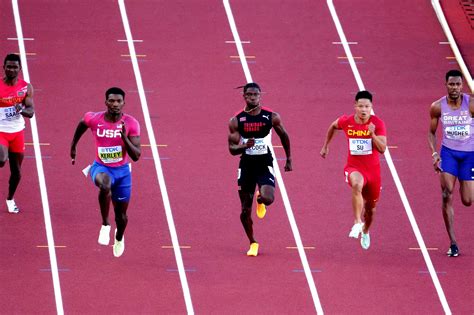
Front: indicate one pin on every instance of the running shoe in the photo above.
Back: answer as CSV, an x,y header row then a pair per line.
x,y
253,251
356,230
104,235
261,209
453,251
12,207
119,246
365,240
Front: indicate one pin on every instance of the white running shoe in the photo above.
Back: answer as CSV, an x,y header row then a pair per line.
x,y
365,241
104,235
119,246
356,230
12,207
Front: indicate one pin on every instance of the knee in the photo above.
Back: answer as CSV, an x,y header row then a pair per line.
x,y
122,218
466,201
267,199
356,189
104,188
447,194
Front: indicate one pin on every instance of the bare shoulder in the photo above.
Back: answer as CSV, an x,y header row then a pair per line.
x,y
435,108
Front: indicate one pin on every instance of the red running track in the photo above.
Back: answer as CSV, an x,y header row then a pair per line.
x,y
189,76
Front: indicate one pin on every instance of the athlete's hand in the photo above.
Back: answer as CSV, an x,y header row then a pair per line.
x,y
250,143
123,132
288,165
371,128
19,108
324,152
73,155
436,163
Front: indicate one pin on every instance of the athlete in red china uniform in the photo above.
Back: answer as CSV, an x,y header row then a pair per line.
x,y
16,102
117,136
366,139
249,137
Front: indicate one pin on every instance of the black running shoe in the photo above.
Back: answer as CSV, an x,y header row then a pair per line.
x,y
453,251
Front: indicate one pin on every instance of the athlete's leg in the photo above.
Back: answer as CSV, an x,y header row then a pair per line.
x,y
15,161
3,155
356,181
104,183
121,218
467,192
447,185
245,216
369,213
267,195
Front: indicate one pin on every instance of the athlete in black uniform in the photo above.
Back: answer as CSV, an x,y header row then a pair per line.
x,y
248,131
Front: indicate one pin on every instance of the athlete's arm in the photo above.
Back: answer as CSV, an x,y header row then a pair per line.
x,y
471,105
132,144
435,114
284,138
380,142
27,109
333,127
80,129
235,147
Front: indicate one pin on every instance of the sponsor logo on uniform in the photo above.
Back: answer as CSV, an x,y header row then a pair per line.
x,y
108,133
243,119
266,116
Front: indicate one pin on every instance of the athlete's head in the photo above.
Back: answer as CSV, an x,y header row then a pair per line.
x,y
114,100
252,94
454,84
363,104
12,66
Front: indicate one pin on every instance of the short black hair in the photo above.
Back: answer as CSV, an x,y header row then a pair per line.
x,y
453,73
12,57
114,90
251,85
363,94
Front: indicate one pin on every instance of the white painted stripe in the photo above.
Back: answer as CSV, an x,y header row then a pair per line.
x,y
393,170
444,43
39,167
156,158
286,201
452,42
233,42
135,40
19,38
350,43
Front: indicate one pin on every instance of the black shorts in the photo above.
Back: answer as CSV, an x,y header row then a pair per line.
x,y
252,174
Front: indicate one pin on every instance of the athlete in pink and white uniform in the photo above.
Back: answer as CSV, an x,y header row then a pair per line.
x,y
16,102
117,136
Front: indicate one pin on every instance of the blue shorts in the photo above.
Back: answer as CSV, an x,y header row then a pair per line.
x,y
457,163
121,178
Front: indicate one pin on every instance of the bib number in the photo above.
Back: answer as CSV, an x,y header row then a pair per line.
x,y
259,148
460,132
110,154
360,146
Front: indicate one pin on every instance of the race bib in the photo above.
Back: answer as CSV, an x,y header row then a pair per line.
x,y
459,132
259,148
110,154
9,113
360,146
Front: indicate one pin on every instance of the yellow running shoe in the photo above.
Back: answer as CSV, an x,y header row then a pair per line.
x,y
253,251
261,209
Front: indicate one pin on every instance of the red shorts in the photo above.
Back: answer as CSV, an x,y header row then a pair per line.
x,y
15,141
372,183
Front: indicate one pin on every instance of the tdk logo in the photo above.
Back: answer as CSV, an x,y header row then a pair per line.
x,y
108,133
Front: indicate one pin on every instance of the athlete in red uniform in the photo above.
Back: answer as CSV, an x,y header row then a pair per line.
x,y
16,102
366,139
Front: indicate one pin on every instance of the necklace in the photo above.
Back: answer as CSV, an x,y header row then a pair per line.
x,y
251,110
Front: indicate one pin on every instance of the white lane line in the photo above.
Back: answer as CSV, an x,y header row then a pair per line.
x,y
286,201
156,158
393,170
16,38
39,166
452,42
350,43
135,40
